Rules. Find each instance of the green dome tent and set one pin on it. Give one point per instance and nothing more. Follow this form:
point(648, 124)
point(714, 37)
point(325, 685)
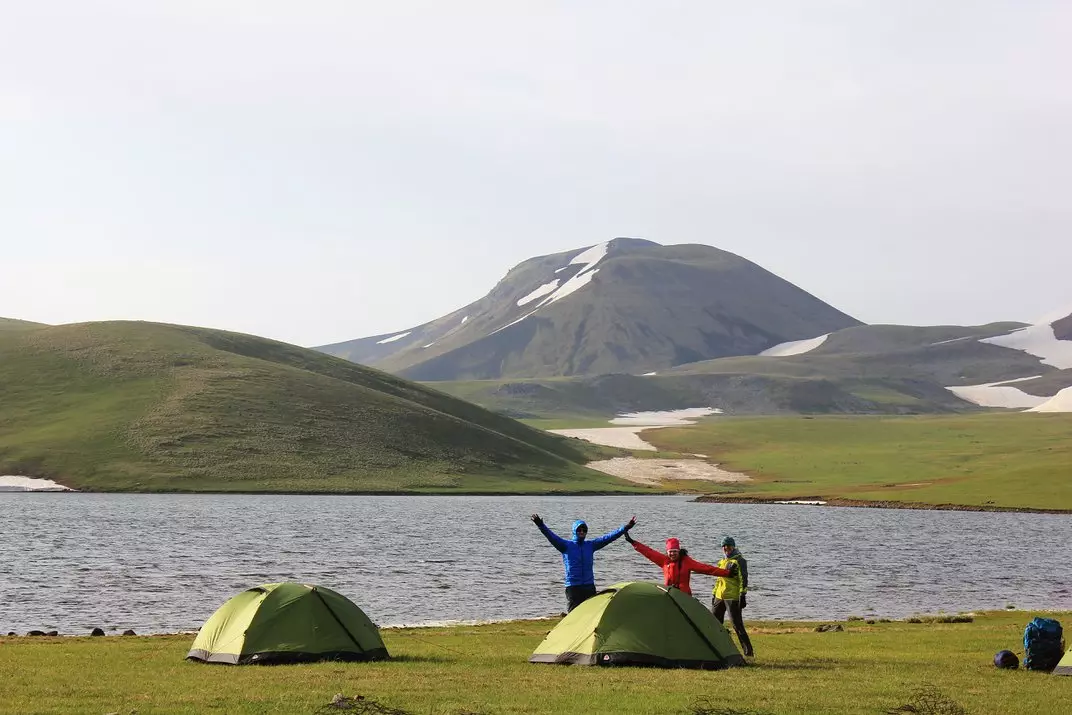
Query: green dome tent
point(639, 623)
point(1065, 666)
point(287, 623)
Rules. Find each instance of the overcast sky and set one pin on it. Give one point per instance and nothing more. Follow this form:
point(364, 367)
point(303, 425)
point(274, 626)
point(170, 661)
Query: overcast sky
point(321, 170)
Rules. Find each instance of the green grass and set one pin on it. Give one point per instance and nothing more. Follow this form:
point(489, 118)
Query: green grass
point(866, 669)
point(1000, 460)
point(124, 406)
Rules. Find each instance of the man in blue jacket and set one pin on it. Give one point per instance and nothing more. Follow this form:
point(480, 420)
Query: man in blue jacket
point(577, 557)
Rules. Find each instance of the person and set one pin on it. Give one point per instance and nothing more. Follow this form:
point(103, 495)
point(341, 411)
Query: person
point(578, 555)
point(730, 592)
point(676, 563)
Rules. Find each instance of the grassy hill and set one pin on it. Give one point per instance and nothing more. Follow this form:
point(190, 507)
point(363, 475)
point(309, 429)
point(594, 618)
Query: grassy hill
point(151, 407)
point(1007, 460)
point(14, 324)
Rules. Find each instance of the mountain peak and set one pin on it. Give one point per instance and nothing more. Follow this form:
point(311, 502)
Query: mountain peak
point(623, 305)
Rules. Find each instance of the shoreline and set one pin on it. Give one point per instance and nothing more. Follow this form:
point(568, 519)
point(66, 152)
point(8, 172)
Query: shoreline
point(696, 498)
point(872, 504)
point(759, 623)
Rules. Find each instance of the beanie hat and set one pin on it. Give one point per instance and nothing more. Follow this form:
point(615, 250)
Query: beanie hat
point(673, 543)
point(728, 541)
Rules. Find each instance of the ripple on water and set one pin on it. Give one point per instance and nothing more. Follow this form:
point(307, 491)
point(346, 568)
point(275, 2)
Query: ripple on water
point(164, 563)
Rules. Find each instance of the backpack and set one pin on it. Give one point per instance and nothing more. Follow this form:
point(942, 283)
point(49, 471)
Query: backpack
point(1043, 647)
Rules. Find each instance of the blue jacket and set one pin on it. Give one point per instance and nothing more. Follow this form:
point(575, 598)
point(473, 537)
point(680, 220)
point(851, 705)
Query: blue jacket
point(577, 555)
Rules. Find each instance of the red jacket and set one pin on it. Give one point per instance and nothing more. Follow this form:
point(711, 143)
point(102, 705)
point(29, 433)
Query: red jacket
point(676, 573)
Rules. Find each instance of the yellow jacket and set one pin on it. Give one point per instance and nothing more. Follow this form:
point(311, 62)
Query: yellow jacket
point(730, 588)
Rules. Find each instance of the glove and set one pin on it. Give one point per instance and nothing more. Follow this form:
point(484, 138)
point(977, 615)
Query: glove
point(743, 602)
point(630, 524)
point(629, 538)
point(537, 520)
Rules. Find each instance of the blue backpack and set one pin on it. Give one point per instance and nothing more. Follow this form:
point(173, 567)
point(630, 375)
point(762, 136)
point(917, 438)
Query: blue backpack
point(1043, 647)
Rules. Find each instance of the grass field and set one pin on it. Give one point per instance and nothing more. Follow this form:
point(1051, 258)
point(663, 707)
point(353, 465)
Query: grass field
point(1002, 460)
point(125, 406)
point(867, 668)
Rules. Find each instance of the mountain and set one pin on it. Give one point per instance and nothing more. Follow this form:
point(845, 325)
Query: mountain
point(128, 406)
point(626, 305)
point(868, 369)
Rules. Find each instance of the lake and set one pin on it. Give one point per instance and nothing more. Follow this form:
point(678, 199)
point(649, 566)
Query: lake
point(164, 563)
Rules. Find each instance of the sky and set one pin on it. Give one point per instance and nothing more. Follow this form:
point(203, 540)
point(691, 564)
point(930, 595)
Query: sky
point(325, 170)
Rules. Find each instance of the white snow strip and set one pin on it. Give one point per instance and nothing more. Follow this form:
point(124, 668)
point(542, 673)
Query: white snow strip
point(1037, 340)
point(393, 338)
point(12, 483)
point(666, 418)
point(515, 322)
point(465, 319)
point(954, 340)
point(1061, 402)
point(998, 394)
point(539, 292)
point(649, 374)
point(559, 270)
point(571, 286)
point(795, 347)
point(628, 437)
point(591, 256)
point(429, 344)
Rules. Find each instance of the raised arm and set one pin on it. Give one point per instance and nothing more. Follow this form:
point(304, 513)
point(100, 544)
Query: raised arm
point(557, 541)
point(600, 541)
point(650, 554)
point(700, 567)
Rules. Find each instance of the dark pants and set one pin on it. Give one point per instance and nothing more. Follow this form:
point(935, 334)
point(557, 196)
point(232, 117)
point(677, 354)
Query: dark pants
point(576, 595)
point(719, 606)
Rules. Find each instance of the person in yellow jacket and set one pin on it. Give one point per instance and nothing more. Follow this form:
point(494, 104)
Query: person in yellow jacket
point(729, 593)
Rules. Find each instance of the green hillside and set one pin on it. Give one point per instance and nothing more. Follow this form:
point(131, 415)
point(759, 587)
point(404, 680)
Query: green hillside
point(1002, 460)
point(151, 407)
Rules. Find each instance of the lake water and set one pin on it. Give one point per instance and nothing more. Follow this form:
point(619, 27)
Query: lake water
point(164, 563)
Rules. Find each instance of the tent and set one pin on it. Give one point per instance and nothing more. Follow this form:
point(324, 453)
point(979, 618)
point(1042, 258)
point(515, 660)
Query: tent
point(639, 623)
point(1065, 666)
point(287, 623)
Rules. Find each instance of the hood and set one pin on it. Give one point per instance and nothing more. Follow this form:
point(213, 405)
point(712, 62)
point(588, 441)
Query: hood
point(577, 525)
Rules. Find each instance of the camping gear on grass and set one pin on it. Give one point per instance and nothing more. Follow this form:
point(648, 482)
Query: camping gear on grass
point(1006, 659)
point(639, 623)
point(287, 623)
point(1043, 646)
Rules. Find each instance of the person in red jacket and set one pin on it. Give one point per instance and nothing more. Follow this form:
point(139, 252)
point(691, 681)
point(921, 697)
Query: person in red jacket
point(676, 563)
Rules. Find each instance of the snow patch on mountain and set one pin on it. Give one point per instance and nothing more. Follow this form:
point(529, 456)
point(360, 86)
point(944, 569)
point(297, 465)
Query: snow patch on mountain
point(1061, 402)
point(591, 256)
point(465, 320)
point(588, 258)
point(13, 483)
point(539, 292)
point(572, 285)
point(998, 394)
point(393, 338)
point(1038, 340)
point(795, 347)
